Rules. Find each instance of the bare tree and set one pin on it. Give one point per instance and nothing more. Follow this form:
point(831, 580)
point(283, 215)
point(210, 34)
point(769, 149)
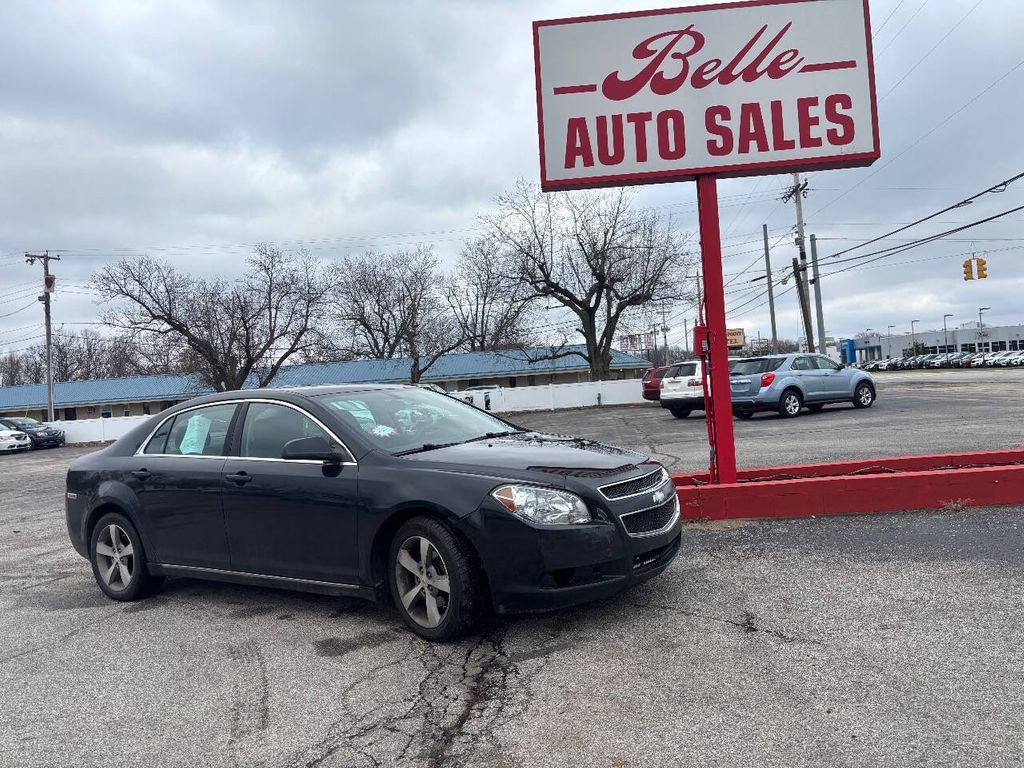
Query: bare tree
point(394, 305)
point(594, 254)
point(230, 332)
point(491, 306)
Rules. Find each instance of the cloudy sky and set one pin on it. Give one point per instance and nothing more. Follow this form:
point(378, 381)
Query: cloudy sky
point(190, 130)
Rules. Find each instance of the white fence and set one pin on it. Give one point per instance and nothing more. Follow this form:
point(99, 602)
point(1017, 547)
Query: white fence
point(548, 397)
point(98, 430)
point(553, 397)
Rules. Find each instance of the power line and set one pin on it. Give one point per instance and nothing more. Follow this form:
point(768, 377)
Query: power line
point(27, 306)
point(924, 136)
point(931, 50)
point(900, 30)
point(996, 188)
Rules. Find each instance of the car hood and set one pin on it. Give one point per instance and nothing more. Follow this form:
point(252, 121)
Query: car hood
point(10, 432)
point(536, 451)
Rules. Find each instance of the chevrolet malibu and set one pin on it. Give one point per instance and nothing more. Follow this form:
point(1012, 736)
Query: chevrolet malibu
point(379, 492)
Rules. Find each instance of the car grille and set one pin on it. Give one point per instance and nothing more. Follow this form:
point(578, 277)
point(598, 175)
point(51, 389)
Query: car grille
point(652, 520)
point(634, 486)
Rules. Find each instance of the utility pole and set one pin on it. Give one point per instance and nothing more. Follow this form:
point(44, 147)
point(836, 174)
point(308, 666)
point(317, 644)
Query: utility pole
point(771, 290)
point(797, 192)
point(817, 295)
point(664, 331)
point(686, 337)
point(802, 294)
point(48, 285)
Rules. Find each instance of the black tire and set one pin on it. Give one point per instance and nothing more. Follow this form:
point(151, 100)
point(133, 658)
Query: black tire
point(744, 415)
point(790, 404)
point(680, 413)
point(107, 569)
point(466, 602)
point(863, 395)
point(816, 407)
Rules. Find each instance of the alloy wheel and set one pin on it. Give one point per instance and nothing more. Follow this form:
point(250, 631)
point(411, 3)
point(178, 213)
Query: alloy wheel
point(422, 579)
point(115, 557)
point(792, 404)
point(865, 396)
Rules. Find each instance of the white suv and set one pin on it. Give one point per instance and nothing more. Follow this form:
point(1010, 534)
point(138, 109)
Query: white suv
point(682, 390)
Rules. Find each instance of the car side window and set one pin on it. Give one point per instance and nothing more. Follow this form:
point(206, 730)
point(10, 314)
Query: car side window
point(269, 427)
point(826, 364)
point(158, 442)
point(202, 432)
point(803, 363)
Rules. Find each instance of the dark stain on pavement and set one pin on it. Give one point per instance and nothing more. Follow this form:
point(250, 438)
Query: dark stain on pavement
point(336, 647)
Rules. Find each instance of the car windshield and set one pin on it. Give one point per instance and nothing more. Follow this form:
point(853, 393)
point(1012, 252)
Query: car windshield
point(23, 421)
point(402, 421)
point(755, 365)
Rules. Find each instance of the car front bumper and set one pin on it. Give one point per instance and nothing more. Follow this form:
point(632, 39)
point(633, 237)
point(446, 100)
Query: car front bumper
point(14, 445)
point(47, 441)
point(532, 570)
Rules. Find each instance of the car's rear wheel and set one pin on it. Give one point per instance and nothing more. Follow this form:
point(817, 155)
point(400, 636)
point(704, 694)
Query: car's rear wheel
point(436, 584)
point(790, 404)
point(863, 396)
point(680, 413)
point(118, 559)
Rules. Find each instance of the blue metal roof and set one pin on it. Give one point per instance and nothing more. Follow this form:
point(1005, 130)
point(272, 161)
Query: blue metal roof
point(468, 365)
point(132, 389)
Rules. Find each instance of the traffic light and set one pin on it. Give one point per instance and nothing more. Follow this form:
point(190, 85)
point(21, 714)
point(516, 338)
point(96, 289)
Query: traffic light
point(982, 268)
point(968, 269)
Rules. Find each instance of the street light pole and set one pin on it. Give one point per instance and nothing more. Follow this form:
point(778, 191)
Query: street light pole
point(913, 337)
point(888, 340)
point(945, 334)
point(867, 340)
point(981, 325)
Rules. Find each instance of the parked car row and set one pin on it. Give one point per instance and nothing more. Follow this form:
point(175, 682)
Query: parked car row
point(20, 433)
point(1004, 359)
point(785, 384)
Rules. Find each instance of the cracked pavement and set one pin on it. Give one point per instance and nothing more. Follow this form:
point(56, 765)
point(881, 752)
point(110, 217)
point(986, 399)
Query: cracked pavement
point(890, 640)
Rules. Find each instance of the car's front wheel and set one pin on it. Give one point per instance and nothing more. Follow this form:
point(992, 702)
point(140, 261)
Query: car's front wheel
point(863, 396)
point(118, 559)
point(436, 583)
point(680, 413)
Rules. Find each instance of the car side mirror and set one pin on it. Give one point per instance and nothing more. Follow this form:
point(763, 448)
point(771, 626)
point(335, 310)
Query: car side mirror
point(841, 366)
point(312, 449)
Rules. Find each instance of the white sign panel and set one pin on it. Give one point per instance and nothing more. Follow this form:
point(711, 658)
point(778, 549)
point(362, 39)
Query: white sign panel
point(734, 89)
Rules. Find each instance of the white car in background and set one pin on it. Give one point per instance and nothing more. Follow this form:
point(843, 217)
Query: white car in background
point(12, 441)
point(682, 388)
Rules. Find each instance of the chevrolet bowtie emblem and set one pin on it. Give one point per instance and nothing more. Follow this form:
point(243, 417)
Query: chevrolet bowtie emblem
point(659, 496)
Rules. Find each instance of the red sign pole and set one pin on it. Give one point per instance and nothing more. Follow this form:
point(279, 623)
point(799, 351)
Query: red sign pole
point(719, 414)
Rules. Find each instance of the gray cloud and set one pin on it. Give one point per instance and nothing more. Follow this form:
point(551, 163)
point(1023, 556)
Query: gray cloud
point(192, 129)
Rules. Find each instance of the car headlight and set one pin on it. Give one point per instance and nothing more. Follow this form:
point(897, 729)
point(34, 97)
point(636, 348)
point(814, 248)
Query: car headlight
point(542, 505)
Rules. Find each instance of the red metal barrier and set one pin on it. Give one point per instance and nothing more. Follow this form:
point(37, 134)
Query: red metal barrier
point(853, 487)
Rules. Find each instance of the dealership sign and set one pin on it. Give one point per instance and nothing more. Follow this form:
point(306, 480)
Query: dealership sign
point(734, 89)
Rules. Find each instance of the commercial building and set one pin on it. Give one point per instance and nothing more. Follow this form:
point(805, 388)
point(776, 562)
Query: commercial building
point(968, 337)
point(141, 395)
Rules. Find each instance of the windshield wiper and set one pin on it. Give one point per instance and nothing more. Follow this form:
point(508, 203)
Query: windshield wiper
point(489, 435)
point(426, 447)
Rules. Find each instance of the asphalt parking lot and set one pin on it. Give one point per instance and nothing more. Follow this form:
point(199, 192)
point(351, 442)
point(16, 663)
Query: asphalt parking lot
point(917, 412)
point(890, 640)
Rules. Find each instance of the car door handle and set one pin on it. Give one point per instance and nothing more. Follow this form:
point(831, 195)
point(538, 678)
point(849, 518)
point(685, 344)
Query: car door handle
point(142, 474)
point(240, 477)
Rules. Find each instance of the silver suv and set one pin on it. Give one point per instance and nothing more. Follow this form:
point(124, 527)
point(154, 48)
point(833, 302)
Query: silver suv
point(789, 383)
